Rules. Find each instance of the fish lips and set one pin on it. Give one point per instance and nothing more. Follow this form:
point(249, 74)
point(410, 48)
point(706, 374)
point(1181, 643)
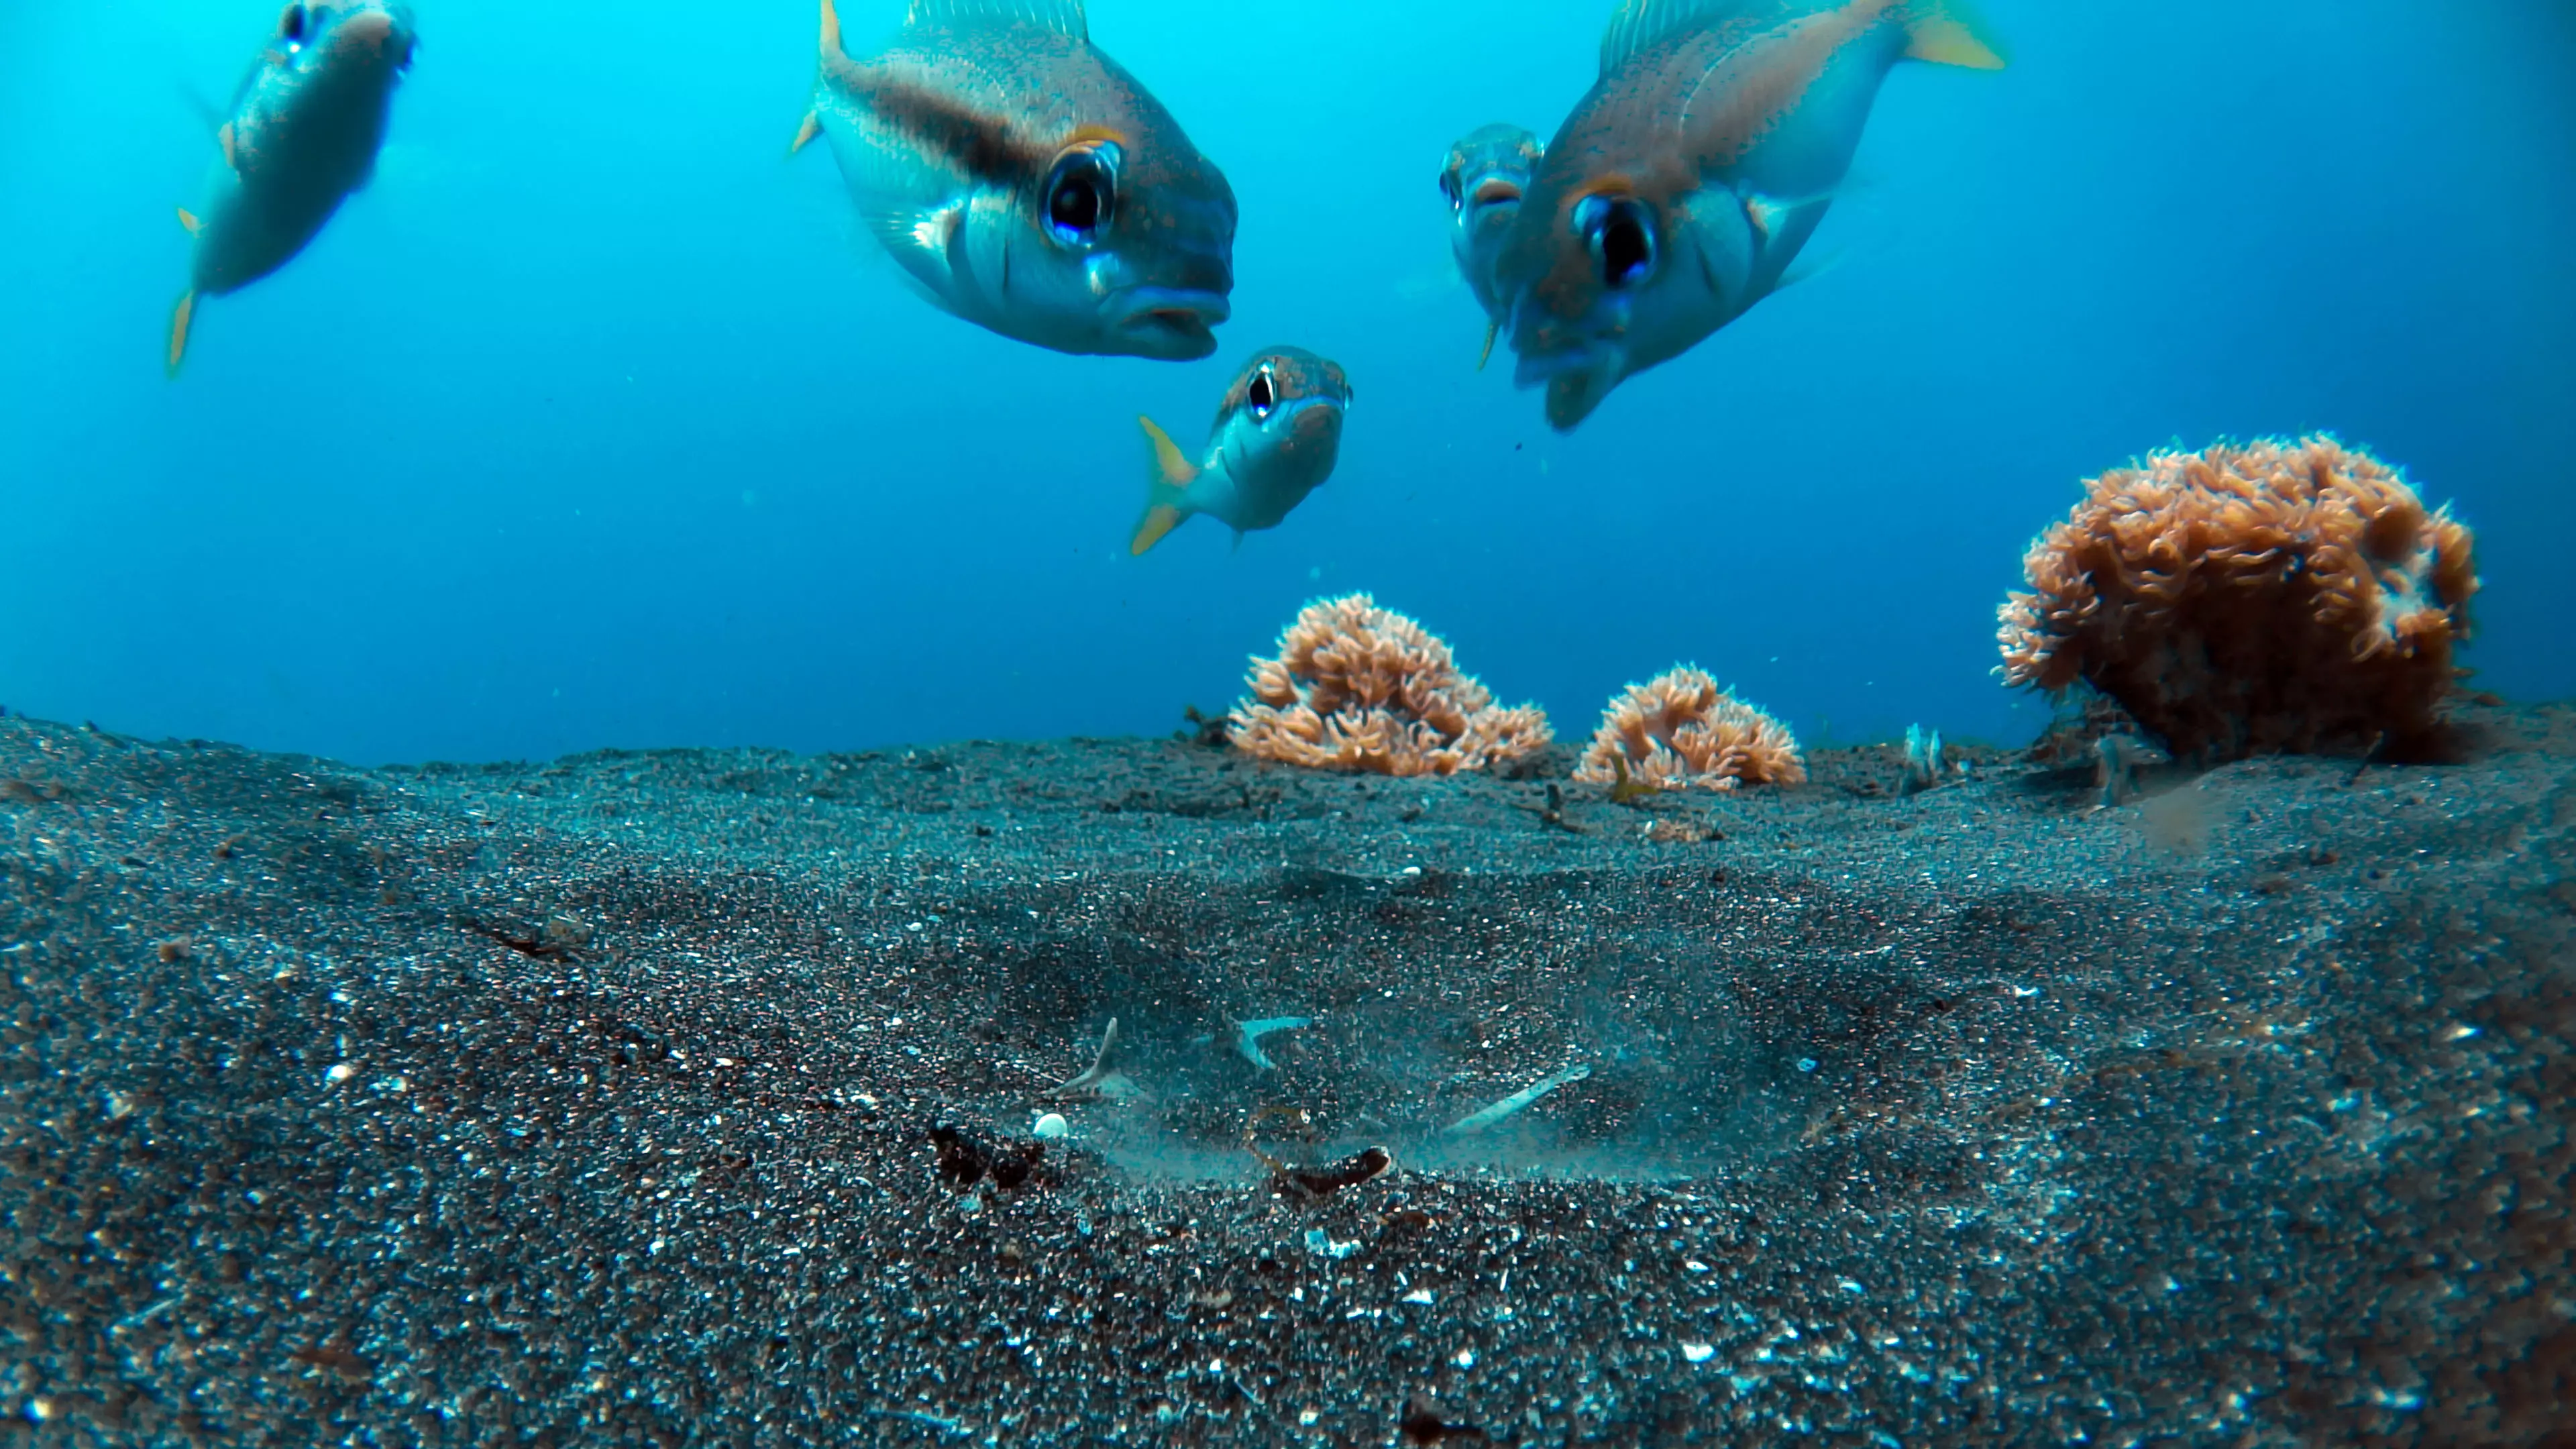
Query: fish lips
point(381, 34)
point(1316, 417)
point(1314, 422)
point(1172, 324)
point(1492, 191)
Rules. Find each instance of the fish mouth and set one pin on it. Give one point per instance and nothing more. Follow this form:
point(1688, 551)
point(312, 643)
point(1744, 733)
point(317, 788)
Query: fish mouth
point(376, 34)
point(1169, 322)
point(1492, 191)
point(1315, 420)
point(1535, 369)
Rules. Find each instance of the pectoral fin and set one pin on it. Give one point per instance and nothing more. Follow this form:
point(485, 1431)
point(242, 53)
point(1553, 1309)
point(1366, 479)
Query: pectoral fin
point(922, 240)
point(1778, 229)
point(1773, 218)
point(188, 221)
point(204, 109)
point(1492, 330)
point(1764, 213)
point(805, 133)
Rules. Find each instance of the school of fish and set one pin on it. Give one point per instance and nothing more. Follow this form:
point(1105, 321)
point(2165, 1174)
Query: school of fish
point(1023, 181)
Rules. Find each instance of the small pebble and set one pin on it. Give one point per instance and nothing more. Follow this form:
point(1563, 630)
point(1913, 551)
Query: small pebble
point(1050, 1125)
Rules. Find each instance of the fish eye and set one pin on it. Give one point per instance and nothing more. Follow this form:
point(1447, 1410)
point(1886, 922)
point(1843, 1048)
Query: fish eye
point(1450, 188)
point(1263, 396)
point(1621, 233)
point(290, 26)
point(1082, 193)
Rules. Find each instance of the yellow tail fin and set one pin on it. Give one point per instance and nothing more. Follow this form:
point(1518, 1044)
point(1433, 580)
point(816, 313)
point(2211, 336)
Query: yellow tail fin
point(1940, 32)
point(1159, 519)
point(1168, 477)
point(1171, 466)
point(179, 320)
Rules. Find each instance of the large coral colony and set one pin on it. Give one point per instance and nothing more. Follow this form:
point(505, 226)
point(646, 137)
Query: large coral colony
point(2252, 598)
point(2255, 598)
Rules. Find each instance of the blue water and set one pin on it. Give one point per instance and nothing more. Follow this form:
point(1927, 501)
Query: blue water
point(593, 422)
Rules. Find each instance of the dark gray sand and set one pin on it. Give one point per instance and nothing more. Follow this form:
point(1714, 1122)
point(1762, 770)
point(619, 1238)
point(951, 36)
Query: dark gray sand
point(594, 1102)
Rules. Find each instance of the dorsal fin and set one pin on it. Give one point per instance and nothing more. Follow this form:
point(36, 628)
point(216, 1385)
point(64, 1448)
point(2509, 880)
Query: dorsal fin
point(1064, 17)
point(1639, 25)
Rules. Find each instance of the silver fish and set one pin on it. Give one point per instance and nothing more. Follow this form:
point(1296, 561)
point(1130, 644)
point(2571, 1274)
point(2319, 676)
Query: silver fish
point(302, 133)
point(1028, 184)
point(1483, 177)
point(1680, 189)
point(1276, 437)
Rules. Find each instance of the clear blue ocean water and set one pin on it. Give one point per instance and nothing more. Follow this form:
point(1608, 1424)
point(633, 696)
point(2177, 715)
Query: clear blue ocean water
point(593, 422)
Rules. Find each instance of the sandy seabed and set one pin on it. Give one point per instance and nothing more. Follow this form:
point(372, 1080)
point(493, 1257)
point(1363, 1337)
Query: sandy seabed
point(594, 1102)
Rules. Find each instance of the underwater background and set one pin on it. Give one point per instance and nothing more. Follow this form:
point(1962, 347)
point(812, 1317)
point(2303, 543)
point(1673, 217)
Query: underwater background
point(594, 421)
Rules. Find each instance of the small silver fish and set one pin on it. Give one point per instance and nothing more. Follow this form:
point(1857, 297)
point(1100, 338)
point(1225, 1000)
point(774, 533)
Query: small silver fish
point(1276, 437)
point(1028, 184)
point(1483, 178)
point(1680, 189)
point(302, 134)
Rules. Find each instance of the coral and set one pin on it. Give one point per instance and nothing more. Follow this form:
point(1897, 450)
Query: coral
point(1357, 687)
point(2253, 598)
point(1679, 729)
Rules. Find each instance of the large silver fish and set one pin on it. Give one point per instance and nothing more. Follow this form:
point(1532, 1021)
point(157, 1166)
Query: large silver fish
point(1483, 178)
point(1682, 186)
point(1277, 436)
point(1028, 184)
point(302, 134)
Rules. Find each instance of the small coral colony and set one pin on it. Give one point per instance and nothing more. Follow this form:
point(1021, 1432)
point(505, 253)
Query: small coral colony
point(2272, 596)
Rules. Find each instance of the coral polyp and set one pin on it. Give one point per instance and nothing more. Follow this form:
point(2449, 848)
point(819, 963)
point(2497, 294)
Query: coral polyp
point(1680, 729)
point(2254, 598)
point(1358, 687)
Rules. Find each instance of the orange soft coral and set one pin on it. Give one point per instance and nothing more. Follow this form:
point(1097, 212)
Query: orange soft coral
point(2252, 598)
point(1357, 687)
point(1679, 729)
